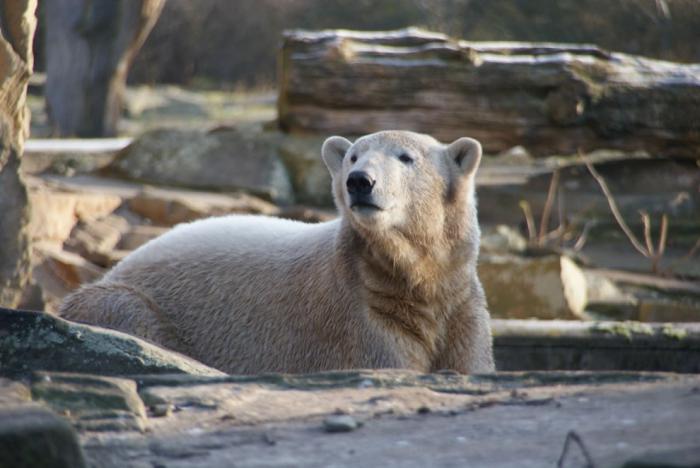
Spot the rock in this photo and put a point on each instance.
(55, 212)
(550, 98)
(94, 403)
(225, 160)
(70, 156)
(110, 258)
(667, 310)
(167, 207)
(57, 272)
(607, 299)
(685, 457)
(502, 239)
(34, 437)
(95, 239)
(139, 235)
(602, 289)
(13, 393)
(550, 287)
(46, 290)
(309, 175)
(553, 345)
(33, 298)
(15, 263)
(72, 269)
(233, 420)
(162, 410)
(32, 341)
(16, 63)
(340, 423)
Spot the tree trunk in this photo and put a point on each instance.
(90, 45)
(17, 25)
(549, 98)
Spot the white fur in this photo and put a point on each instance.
(391, 288)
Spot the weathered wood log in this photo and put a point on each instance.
(17, 25)
(550, 98)
(89, 48)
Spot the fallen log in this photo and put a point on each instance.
(549, 98)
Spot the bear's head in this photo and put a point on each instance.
(406, 182)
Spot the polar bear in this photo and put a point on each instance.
(391, 283)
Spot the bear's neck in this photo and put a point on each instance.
(412, 284)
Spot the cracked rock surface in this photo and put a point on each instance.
(399, 418)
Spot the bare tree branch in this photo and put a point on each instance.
(549, 202)
(661, 248)
(646, 222)
(581, 241)
(529, 220)
(613, 207)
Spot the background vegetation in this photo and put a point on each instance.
(222, 42)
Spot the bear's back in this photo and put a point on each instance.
(230, 237)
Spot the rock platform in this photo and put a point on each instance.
(73, 395)
(392, 418)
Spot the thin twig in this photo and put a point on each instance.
(692, 251)
(687, 257)
(662, 236)
(561, 218)
(613, 207)
(581, 241)
(558, 233)
(573, 436)
(529, 220)
(549, 202)
(646, 222)
(662, 7)
(657, 254)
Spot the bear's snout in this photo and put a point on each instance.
(359, 183)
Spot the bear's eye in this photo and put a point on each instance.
(406, 159)
(353, 158)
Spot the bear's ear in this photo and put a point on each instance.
(465, 153)
(333, 152)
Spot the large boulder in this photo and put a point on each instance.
(55, 274)
(34, 437)
(55, 212)
(310, 177)
(223, 160)
(95, 403)
(32, 341)
(96, 239)
(549, 287)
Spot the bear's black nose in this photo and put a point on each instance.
(359, 183)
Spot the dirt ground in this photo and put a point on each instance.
(608, 424)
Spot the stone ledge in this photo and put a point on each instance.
(558, 345)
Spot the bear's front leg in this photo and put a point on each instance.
(469, 344)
